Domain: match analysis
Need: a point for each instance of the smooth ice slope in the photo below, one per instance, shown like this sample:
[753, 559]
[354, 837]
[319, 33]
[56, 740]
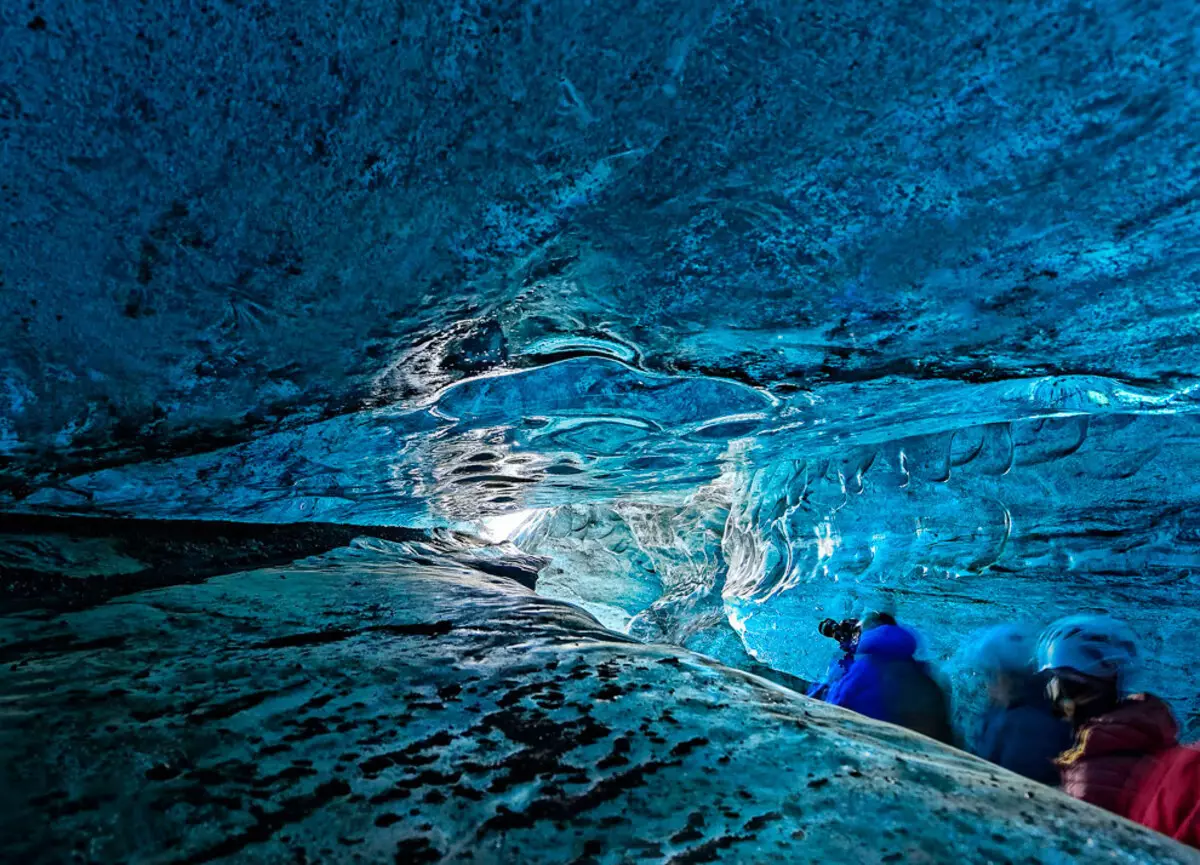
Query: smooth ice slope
[371, 705]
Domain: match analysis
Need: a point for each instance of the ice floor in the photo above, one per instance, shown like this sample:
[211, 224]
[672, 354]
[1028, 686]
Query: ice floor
[381, 703]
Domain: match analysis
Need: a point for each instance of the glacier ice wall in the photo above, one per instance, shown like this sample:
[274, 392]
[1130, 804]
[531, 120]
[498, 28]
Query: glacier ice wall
[1026, 520]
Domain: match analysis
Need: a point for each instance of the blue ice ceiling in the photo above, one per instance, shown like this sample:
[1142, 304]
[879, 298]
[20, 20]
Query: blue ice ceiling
[779, 310]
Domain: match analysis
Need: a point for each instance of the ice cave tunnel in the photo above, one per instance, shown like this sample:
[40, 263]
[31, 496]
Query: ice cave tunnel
[433, 431]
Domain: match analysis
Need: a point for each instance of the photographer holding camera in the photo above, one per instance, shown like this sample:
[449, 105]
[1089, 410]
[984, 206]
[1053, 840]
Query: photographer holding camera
[846, 632]
[883, 679]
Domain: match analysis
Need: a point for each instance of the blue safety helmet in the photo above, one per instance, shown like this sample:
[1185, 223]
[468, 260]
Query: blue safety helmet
[1099, 647]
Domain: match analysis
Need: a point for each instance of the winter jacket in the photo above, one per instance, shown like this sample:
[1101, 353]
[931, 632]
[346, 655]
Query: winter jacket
[1025, 737]
[836, 672]
[885, 682]
[1114, 752]
[1168, 799]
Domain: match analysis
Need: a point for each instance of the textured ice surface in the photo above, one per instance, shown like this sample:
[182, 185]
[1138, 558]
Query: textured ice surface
[572, 430]
[371, 705]
[225, 218]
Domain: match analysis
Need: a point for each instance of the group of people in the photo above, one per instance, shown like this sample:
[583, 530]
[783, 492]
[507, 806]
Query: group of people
[1057, 711]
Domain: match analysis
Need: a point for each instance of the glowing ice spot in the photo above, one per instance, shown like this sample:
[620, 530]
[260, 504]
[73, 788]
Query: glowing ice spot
[827, 541]
[504, 526]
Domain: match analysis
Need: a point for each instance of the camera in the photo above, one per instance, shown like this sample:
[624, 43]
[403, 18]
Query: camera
[844, 631]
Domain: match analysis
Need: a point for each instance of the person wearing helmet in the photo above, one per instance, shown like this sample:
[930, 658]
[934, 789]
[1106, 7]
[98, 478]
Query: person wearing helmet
[1019, 730]
[887, 683]
[1088, 660]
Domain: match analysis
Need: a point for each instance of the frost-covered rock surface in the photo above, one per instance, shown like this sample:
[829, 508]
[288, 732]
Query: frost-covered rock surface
[376, 705]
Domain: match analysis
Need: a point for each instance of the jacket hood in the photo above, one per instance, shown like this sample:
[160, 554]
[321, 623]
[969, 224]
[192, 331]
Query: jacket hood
[888, 641]
[1141, 724]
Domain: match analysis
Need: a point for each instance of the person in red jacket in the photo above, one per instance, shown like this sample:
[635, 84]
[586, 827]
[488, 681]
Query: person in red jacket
[1117, 739]
[1168, 798]
[1114, 750]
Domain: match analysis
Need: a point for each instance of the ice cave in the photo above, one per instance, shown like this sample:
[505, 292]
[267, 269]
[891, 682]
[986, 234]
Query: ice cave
[435, 432]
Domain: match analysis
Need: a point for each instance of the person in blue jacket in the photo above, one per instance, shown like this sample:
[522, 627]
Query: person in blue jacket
[846, 632]
[887, 683]
[1018, 730]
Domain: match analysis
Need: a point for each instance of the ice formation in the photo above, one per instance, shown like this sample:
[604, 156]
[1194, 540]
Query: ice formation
[709, 319]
